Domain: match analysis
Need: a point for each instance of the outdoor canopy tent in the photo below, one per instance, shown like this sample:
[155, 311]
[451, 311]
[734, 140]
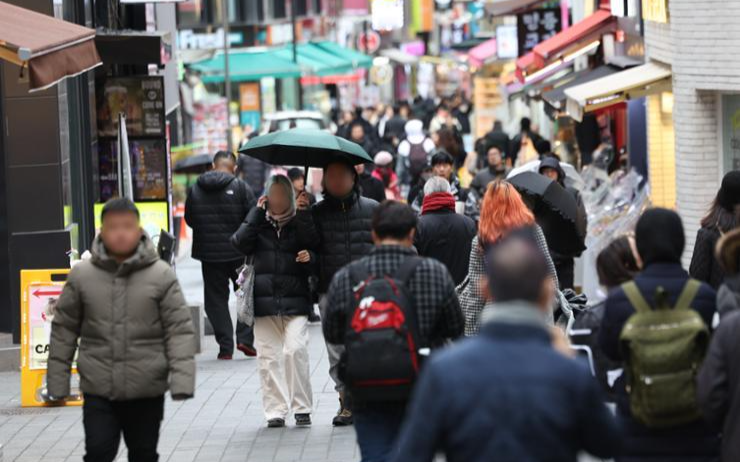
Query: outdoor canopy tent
[480, 54]
[51, 49]
[606, 91]
[319, 59]
[556, 97]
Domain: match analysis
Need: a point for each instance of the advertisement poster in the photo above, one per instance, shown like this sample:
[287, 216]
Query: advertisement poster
[148, 166]
[537, 26]
[249, 105]
[140, 98]
[42, 299]
[154, 217]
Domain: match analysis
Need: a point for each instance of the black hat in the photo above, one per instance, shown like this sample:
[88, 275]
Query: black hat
[442, 157]
[660, 237]
[729, 194]
[553, 163]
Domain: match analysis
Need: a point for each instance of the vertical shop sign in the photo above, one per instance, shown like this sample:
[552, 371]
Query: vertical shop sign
[655, 10]
[537, 26]
[250, 105]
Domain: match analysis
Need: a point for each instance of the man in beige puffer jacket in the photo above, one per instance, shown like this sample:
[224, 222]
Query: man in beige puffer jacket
[136, 338]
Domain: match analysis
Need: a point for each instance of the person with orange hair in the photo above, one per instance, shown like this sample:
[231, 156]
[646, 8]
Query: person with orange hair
[502, 211]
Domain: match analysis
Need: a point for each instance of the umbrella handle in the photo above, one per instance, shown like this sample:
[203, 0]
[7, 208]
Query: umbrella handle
[305, 178]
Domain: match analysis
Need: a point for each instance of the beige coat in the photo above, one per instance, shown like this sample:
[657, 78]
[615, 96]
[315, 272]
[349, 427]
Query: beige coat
[136, 332]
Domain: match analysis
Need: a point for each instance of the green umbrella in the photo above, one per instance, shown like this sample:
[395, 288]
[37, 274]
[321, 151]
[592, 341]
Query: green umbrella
[304, 146]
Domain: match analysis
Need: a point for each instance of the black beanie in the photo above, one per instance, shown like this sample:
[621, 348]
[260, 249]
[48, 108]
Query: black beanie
[659, 236]
[729, 194]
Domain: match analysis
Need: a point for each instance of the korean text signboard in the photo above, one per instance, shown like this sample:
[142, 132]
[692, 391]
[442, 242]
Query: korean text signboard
[40, 291]
[537, 26]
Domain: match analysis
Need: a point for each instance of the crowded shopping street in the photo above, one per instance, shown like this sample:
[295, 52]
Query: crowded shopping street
[369, 231]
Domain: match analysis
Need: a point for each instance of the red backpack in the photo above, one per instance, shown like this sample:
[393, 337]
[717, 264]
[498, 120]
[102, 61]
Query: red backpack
[381, 360]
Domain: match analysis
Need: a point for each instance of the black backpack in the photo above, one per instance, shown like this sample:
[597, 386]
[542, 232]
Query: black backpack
[381, 360]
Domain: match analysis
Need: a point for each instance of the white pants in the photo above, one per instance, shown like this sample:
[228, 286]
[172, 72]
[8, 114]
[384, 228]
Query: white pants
[282, 351]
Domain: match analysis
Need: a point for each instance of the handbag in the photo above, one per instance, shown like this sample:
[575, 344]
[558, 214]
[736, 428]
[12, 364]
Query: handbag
[245, 292]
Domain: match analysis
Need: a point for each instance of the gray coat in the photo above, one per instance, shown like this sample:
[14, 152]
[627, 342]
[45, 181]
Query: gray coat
[136, 333]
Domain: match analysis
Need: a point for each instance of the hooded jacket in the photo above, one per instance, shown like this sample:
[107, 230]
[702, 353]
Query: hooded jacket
[215, 208]
[280, 283]
[136, 332]
[344, 227]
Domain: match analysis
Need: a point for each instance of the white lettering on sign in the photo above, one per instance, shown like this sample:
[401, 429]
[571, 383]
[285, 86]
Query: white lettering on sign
[191, 40]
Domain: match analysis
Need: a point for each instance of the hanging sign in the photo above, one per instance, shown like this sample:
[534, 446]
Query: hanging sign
[537, 26]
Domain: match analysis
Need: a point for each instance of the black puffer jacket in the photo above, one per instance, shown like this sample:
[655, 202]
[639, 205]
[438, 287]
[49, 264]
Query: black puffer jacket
[447, 237]
[280, 283]
[344, 228]
[216, 205]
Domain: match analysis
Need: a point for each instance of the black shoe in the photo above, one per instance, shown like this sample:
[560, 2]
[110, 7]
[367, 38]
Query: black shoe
[276, 423]
[313, 317]
[303, 420]
[247, 350]
[343, 418]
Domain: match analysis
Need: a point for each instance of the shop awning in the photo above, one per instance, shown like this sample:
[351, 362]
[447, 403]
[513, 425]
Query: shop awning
[247, 66]
[50, 48]
[355, 58]
[399, 56]
[480, 54]
[314, 60]
[571, 41]
[556, 97]
[504, 7]
[606, 91]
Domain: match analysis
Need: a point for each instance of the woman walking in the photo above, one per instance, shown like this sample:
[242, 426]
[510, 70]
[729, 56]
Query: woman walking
[280, 238]
[502, 211]
[723, 217]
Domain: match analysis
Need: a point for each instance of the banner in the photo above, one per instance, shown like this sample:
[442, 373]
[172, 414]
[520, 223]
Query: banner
[655, 10]
[250, 105]
[537, 26]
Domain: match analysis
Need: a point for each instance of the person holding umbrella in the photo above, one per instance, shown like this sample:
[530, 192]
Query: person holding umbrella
[342, 219]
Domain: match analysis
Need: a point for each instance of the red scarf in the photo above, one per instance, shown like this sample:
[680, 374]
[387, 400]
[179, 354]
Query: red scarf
[438, 201]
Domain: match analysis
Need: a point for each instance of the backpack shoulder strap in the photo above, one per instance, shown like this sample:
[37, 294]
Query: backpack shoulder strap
[407, 269]
[635, 297]
[358, 272]
[688, 294]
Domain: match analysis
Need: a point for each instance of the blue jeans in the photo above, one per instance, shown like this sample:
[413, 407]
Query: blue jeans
[377, 430]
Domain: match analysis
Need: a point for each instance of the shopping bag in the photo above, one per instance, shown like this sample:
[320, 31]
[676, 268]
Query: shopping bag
[245, 292]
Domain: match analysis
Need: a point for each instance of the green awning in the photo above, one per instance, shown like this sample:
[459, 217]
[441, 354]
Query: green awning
[316, 61]
[319, 59]
[245, 66]
[355, 58]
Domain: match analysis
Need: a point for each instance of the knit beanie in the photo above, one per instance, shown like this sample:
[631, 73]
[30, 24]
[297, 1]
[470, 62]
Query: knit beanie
[729, 194]
[660, 237]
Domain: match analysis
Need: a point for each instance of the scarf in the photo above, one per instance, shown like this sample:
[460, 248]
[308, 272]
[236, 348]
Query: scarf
[438, 201]
[279, 221]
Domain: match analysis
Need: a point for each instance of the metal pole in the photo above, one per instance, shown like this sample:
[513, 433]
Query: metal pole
[293, 20]
[227, 76]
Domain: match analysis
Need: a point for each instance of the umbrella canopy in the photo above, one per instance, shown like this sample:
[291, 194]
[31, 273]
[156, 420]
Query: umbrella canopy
[194, 164]
[556, 211]
[573, 179]
[304, 146]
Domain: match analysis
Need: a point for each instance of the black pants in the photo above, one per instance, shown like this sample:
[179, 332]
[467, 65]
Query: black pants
[216, 278]
[566, 274]
[138, 420]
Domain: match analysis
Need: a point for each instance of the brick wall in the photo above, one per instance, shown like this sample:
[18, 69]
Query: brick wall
[701, 44]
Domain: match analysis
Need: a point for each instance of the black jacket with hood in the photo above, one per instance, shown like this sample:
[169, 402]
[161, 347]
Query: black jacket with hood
[215, 208]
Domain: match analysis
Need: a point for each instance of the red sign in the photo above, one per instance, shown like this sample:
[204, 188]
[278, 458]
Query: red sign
[368, 42]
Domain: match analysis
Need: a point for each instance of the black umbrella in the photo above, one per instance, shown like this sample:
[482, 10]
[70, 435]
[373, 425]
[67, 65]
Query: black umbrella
[556, 211]
[306, 147]
[194, 164]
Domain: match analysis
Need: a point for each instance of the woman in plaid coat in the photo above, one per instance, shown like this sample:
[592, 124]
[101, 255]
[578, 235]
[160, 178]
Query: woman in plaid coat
[502, 211]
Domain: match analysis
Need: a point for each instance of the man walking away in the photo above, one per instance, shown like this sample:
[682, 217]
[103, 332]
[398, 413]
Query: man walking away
[660, 416]
[343, 221]
[136, 338]
[443, 234]
[510, 394]
[381, 357]
[215, 208]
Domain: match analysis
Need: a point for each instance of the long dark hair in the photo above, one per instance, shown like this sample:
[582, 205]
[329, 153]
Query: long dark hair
[720, 218]
[448, 142]
[616, 264]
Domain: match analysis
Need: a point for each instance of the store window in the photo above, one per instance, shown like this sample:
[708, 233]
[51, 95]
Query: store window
[317, 7]
[301, 7]
[191, 13]
[730, 133]
[253, 11]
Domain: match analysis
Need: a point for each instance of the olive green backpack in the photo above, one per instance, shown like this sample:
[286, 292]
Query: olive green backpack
[663, 349]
